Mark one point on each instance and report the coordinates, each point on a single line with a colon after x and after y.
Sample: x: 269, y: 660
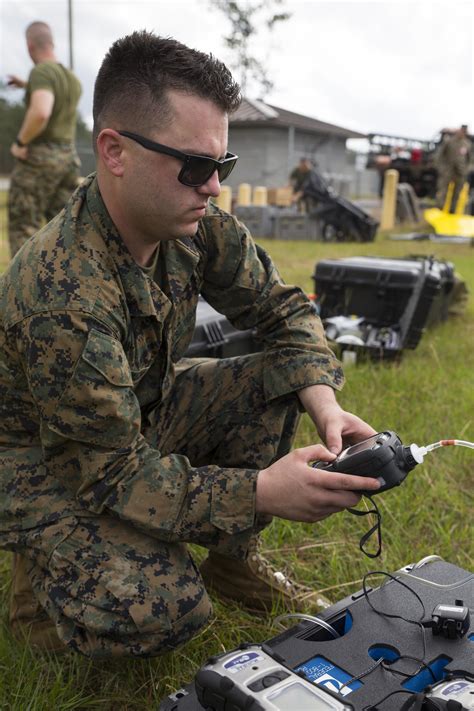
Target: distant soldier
x: 47, y: 165
x: 452, y: 164
x: 298, y: 176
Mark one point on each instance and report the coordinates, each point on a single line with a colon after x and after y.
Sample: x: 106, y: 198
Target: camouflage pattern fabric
x: 453, y: 164
x: 103, y: 423
x: 40, y: 186
x: 114, y: 590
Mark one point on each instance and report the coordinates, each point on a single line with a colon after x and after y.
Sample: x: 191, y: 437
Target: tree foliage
x: 247, y: 20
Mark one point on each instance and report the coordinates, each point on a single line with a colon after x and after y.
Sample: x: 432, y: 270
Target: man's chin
x: 190, y: 229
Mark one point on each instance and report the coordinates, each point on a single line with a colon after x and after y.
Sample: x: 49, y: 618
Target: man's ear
x: 110, y: 151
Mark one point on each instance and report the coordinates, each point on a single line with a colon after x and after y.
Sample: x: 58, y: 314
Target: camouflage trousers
x: 113, y: 590
x: 40, y: 186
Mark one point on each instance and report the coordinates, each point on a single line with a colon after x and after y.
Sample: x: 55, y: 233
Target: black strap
x: 376, y: 528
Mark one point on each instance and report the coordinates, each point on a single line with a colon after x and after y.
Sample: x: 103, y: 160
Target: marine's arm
x: 90, y: 423
x: 242, y: 282
x: 298, y: 358
x: 35, y: 121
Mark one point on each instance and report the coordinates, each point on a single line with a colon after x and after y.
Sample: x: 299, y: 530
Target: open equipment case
x: 215, y: 337
x: 390, y: 301
x: 368, y: 647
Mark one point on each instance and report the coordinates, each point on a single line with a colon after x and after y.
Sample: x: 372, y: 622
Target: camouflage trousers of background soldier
x: 40, y: 186
x: 113, y: 590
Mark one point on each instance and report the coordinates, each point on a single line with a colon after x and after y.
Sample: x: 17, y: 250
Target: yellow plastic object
x: 462, y: 200
x: 447, y: 223
x: 449, y: 197
x: 444, y: 223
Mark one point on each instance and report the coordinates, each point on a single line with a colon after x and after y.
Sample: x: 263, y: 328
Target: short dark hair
x: 139, y: 69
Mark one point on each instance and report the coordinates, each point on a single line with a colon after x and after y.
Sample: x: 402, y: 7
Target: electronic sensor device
x: 249, y: 679
x: 385, y: 457
x: 456, y: 694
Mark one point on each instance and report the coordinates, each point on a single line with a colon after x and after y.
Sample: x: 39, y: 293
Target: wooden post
x: 260, y: 195
x: 244, y: 193
x: 224, y: 199
x: 389, y: 200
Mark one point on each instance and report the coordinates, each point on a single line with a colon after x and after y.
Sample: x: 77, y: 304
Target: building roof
x: 253, y: 112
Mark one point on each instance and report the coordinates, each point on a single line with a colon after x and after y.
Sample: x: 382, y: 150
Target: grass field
x: 429, y: 395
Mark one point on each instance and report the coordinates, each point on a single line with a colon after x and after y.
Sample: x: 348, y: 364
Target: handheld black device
x: 382, y: 456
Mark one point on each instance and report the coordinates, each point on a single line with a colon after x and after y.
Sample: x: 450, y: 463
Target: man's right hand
x: 13, y: 80
x: 291, y: 489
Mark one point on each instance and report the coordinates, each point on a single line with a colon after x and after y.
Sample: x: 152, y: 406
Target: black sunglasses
x: 196, y: 170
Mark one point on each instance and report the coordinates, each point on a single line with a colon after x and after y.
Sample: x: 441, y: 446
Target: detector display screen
x: 360, y: 447
x: 298, y: 696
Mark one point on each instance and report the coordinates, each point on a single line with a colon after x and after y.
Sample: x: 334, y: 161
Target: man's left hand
x: 336, y: 427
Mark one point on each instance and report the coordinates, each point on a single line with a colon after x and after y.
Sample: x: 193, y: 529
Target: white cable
x: 428, y: 559
x: 425, y: 560
x: 448, y: 586
x: 422, y: 451
x: 309, y: 618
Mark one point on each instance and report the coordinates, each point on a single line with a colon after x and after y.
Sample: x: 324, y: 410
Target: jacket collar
x: 144, y: 297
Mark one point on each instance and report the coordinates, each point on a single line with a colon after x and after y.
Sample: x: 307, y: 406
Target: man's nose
x: 211, y: 187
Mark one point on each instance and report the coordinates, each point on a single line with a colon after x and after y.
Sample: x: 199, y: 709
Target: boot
x: 257, y: 585
x: 28, y: 620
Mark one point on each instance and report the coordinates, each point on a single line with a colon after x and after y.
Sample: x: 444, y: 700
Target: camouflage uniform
x: 42, y: 184
x: 116, y: 451
x: 452, y: 164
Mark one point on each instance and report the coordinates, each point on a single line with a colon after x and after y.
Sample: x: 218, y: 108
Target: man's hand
x: 336, y: 427
x: 290, y: 488
x: 20, y: 152
x: 16, y: 81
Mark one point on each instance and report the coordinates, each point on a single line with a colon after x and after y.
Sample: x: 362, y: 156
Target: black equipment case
x: 414, y: 659
x: 215, y: 337
x: 399, y: 297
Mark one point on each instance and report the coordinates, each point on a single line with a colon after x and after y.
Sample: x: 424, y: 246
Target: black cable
x: 383, y: 664
x: 382, y: 613
x: 376, y: 528
x: 423, y: 665
x: 368, y: 671
x: 395, y: 580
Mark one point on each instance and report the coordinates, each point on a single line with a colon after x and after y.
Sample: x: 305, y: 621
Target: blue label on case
x: 326, y: 675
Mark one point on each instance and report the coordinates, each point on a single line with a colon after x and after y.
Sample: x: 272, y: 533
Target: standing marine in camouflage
x: 47, y: 165
x: 116, y: 450
x: 298, y: 177
x: 452, y: 162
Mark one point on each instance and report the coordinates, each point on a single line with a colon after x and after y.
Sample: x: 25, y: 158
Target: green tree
x: 246, y: 20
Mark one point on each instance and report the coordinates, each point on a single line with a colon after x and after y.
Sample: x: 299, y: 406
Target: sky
x: 403, y: 68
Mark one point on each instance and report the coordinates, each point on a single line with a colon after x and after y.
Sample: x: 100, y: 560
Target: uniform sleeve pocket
x: 106, y: 355
x: 99, y: 405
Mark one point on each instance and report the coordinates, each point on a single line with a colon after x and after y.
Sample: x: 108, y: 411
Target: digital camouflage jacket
x: 88, y: 344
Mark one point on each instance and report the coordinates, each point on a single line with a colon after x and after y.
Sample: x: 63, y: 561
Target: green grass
x: 428, y: 395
